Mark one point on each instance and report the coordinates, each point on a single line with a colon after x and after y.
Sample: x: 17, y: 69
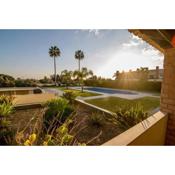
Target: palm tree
x: 54, y: 52
x: 66, y: 77
x: 116, y: 75
x: 82, y: 75
x: 79, y: 55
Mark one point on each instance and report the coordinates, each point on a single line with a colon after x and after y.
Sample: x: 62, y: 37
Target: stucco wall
x: 151, y: 131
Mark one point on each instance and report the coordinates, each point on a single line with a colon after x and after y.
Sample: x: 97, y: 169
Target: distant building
x: 142, y: 73
x: 155, y: 74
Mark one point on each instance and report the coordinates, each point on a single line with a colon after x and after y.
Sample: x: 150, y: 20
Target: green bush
x: 126, y: 118
x: 6, y: 81
x: 96, y: 119
x: 70, y: 96
x: 6, y: 108
x: 58, y: 110
x: 25, y: 83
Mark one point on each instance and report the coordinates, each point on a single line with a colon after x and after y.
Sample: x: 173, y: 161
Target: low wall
x: 20, y: 91
x: 151, y: 131
x: 93, y: 108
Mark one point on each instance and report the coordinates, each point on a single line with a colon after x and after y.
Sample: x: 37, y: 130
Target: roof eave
x: 138, y: 33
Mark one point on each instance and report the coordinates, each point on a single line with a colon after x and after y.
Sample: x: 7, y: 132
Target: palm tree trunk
x: 82, y: 88
x: 79, y: 71
x: 79, y: 65
x: 55, y: 71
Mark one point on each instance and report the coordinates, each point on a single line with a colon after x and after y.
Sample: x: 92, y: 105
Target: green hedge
x: 153, y: 86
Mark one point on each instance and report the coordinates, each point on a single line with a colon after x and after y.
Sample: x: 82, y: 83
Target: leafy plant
x: 6, y: 99
x: 58, y: 110
x: 31, y: 140
x: 6, y: 108
x: 126, y: 118
x: 97, y: 119
x: 70, y: 96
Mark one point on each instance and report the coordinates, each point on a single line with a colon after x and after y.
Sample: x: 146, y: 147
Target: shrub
x: 6, y: 81
x: 126, y: 118
x: 70, y: 96
x: 37, y: 91
x: 6, y: 99
x: 25, y: 83
x: 57, y: 111
x: 6, y: 108
x: 97, y: 119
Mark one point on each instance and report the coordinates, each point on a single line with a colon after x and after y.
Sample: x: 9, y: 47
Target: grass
x: 79, y: 93
x: 114, y: 103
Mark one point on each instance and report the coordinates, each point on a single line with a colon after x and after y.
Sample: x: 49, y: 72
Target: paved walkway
x: 32, y: 99
x: 54, y: 91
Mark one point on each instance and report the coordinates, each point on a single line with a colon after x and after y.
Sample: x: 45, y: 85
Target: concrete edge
x: 82, y: 102
x: 134, y: 132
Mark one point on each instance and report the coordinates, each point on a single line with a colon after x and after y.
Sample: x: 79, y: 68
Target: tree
x: 6, y: 81
x: 46, y: 80
x: 79, y: 55
x: 58, y: 78
x: 54, y: 52
x: 82, y: 75
x: 66, y: 77
x: 116, y: 75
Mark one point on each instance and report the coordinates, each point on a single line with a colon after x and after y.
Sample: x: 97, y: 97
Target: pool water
x: 109, y: 91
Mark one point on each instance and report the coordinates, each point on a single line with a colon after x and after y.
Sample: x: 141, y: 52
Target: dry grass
x: 85, y: 131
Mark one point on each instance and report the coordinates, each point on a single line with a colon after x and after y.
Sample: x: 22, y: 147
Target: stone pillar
x: 168, y: 94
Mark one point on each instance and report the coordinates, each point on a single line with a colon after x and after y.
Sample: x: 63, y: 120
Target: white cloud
x: 89, y: 32
x: 134, y: 41
x: 138, y: 45
x: 130, y: 44
x: 96, y: 32
x: 150, y: 51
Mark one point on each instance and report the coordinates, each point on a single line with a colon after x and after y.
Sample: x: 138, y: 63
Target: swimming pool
x: 109, y: 91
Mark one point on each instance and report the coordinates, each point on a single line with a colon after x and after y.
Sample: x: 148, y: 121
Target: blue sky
x: 24, y: 53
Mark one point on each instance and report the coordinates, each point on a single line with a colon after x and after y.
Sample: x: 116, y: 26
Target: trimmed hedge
x: 152, y: 86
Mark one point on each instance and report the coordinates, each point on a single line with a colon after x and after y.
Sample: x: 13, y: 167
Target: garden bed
x: 87, y: 132
x: 64, y: 121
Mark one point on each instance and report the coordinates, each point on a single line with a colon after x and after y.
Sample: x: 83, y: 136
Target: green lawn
x: 113, y: 103
x: 78, y: 92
